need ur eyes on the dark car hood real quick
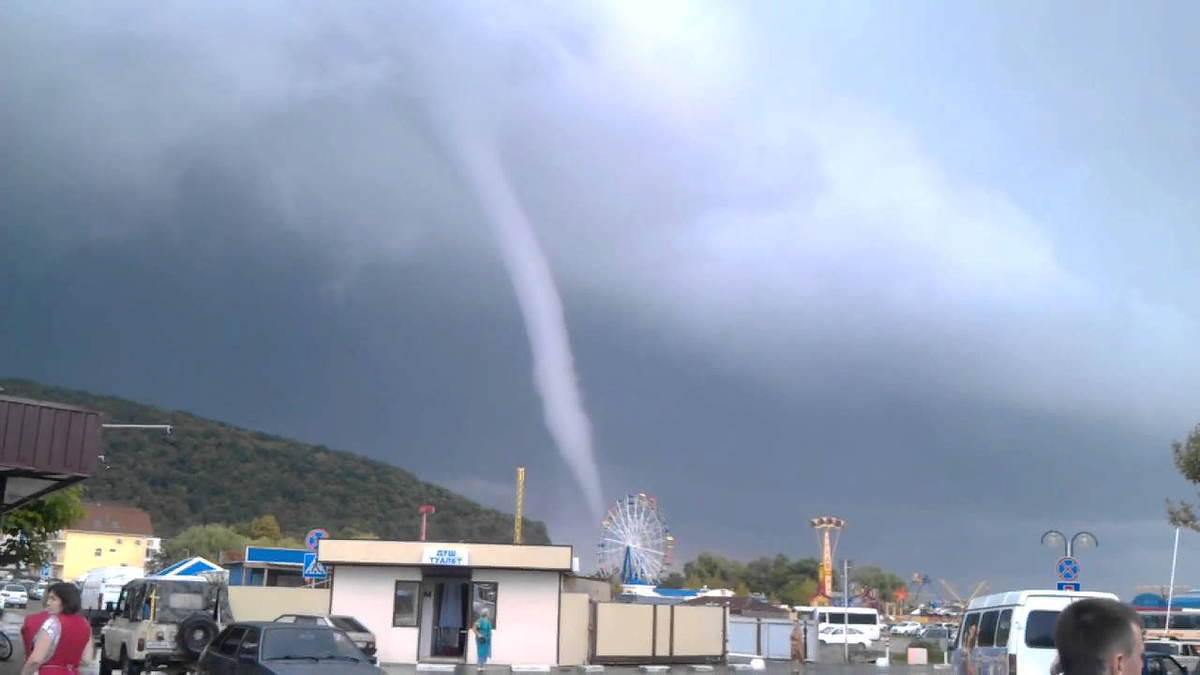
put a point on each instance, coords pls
(320, 668)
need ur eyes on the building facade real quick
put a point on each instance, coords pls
(421, 598)
(266, 566)
(108, 535)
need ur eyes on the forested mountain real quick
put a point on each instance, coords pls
(210, 472)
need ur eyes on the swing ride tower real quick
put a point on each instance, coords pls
(829, 531)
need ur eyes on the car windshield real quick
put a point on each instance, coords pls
(348, 623)
(1160, 647)
(15, 587)
(303, 642)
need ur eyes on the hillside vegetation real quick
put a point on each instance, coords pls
(210, 472)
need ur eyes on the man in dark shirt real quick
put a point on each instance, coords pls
(1099, 636)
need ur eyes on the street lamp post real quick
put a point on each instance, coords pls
(846, 565)
(1079, 539)
(163, 427)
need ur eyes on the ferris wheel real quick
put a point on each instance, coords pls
(635, 541)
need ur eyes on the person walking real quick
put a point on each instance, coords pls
(483, 637)
(1099, 636)
(64, 639)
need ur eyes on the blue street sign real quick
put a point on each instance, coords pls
(1068, 569)
(1067, 586)
(314, 537)
(312, 568)
(45, 572)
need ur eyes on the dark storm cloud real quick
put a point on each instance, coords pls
(759, 273)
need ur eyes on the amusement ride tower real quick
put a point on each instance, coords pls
(829, 531)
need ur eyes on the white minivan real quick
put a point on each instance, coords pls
(1012, 633)
(103, 585)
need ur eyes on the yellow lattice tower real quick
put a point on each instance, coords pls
(520, 504)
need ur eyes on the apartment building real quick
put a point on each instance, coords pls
(107, 535)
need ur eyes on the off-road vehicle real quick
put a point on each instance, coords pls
(163, 623)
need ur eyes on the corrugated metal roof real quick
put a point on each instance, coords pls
(48, 437)
(44, 446)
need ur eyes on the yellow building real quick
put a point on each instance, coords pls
(108, 535)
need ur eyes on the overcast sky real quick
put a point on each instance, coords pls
(930, 268)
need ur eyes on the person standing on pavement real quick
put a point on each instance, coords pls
(1099, 636)
(797, 645)
(64, 638)
(483, 637)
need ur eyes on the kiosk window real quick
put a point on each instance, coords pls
(483, 595)
(404, 605)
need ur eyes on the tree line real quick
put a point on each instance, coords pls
(212, 539)
(211, 472)
(780, 579)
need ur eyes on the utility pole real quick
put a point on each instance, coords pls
(846, 564)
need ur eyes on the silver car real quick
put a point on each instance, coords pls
(364, 639)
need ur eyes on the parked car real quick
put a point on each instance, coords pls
(273, 648)
(15, 595)
(935, 633)
(906, 628)
(836, 635)
(363, 638)
(1186, 653)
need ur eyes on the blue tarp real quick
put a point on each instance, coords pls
(1189, 600)
(677, 592)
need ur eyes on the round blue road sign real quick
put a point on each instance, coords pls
(314, 537)
(1068, 569)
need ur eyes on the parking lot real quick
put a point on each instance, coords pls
(11, 625)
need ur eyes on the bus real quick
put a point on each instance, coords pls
(1185, 624)
(1185, 615)
(865, 619)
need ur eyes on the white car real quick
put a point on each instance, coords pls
(907, 628)
(15, 595)
(363, 638)
(836, 635)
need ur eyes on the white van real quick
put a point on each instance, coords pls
(103, 585)
(1013, 632)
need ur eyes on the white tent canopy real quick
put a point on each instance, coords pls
(190, 568)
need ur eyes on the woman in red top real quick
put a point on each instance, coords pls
(65, 638)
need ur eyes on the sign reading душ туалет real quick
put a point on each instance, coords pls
(440, 555)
